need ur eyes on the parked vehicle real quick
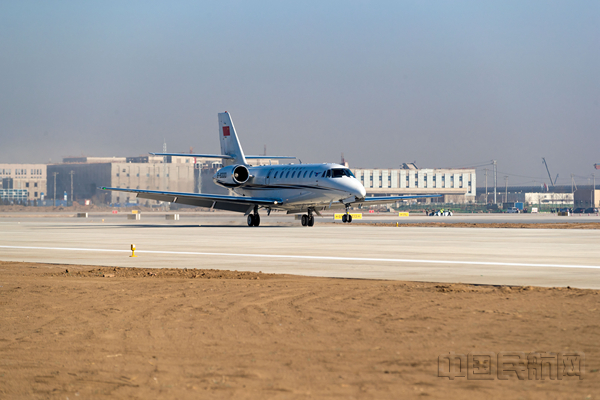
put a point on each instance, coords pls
(440, 213)
(513, 210)
(591, 210)
(579, 210)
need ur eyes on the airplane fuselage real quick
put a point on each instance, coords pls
(299, 186)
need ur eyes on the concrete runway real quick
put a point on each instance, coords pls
(540, 257)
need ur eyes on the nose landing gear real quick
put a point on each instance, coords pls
(347, 217)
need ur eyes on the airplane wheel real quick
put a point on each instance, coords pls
(311, 220)
(344, 218)
(304, 220)
(256, 220)
(250, 220)
(349, 218)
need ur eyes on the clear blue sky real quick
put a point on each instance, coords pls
(442, 83)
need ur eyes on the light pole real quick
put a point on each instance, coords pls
(506, 189)
(71, 173)
(495, 180)
(55, 173)
(486, 189)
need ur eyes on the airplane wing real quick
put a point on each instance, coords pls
(217, 201)
(392, 199)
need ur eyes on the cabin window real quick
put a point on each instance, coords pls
(275, 176)
(305, 172)
(293, 173)
(288, 174)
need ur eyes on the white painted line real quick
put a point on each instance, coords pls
(393, 260)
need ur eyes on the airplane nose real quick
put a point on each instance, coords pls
(363, 191)
(358, 190)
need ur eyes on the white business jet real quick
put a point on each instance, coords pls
(295, 188)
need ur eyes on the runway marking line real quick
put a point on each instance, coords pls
(396, 260)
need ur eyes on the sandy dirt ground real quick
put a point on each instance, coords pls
(99, 332)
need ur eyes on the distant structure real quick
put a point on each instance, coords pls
(457, 185)
(172, 173)
(597, 166)
(411, 165)
(22, 182)
(344, 162)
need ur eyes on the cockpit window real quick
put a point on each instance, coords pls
(338, 173)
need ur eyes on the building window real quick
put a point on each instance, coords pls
(35, 184)
(117, 174)
(35, 194)
(26, 184)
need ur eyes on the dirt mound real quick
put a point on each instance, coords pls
(185, 273)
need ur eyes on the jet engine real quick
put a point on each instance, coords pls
(232, 176)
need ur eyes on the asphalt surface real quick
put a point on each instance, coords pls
(538, 257)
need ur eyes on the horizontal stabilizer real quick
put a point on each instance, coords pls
(223, 156)
(192, 155)
(271, 157)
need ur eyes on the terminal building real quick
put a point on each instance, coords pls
(456, 185)
(22, 183)
(78, 179)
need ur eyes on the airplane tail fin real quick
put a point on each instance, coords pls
(230, 144)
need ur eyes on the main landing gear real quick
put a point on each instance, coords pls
(308, 219)
(346, 217)
(254, 219)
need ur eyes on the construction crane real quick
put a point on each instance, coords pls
(548, 170)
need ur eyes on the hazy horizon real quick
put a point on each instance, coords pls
(448, 84)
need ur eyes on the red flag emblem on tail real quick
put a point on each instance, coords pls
(225, 131)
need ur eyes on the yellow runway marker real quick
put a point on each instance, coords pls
(354, 216)
(133, 251)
